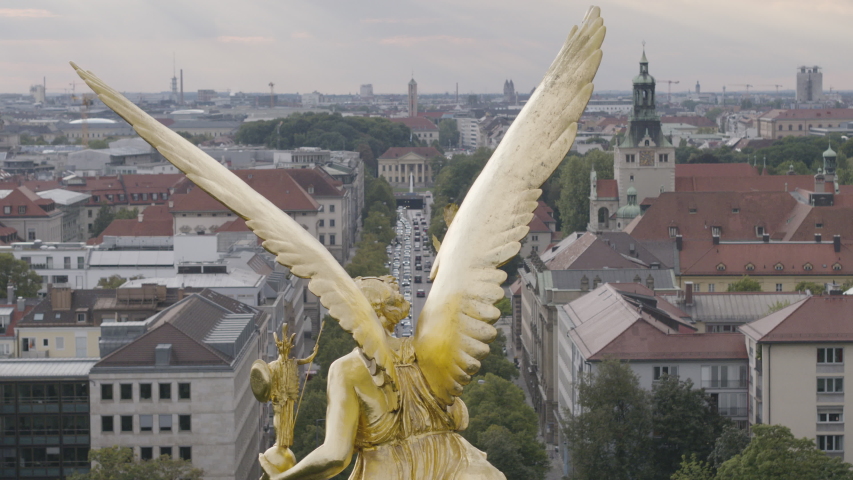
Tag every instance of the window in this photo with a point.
(332, 222)
(673, 231)
(127, 423)
(146, 423)
(22, 210)
(779, 266)
(759, 231)
(7, 210)
(45, 343)
(830, 417)
(663, 157)
(165, 391)
(186, 453)
(166, 451)
(332, 239)
(81, 317)
(666, 370)
(778, 287)
(780, 127)
(166, 423)
(321, 223)
(126, 391)
(790, 127)
(67, 263)
(721, 267)
(691, 210)
(80, 263)
(106, 391)
(807, 266)
(830, 355)
(146, 453)
(31, 235)
(534, 238)
(830, 385)
(145, 391)
(630, 158)
(184, 391)
(107, 424)
(735, 210)
(716, 231)
(710, 287)
(332, 208)
(184, 423)
(134, 196)
(322, 239)
(818, 225)
(750, 267)
(836, 266)
(830, 443)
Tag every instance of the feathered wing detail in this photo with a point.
(454, 328)
(293, 246)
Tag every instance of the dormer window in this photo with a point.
(779, 267)
(7, 210)
(807, 267)
(716, 231)
(692, 210)
(818, 225)
(749, 267)
(759, 231)
(22, 210)
(673, 231)
(584, 283)
(646, 143)
(735, 210)
(836, 266)
(721, 267)
(311, 189)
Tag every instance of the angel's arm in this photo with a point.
(342, 415)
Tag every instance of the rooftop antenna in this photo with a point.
(272, 95)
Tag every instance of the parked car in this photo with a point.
(421, 293)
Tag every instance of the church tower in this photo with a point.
(413, 98)
(645, 160)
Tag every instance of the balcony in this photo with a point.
(732, 411)
(758, 393)
(758, 365)
(735, 383)
(35, 354)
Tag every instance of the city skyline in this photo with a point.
(305, 46)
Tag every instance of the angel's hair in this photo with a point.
(377, 289)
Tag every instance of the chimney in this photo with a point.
(22, 304)
(836, 242)
(163, 354)
(716, 239)
(679, 242)
(60, 298)
(10, 293)
(766, 238)
(688, 293)
(816, 238)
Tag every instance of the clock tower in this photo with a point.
(645, 160)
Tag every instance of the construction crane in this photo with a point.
(272, 95)
(748, 86)
(669, 89)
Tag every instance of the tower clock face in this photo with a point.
(647, 158)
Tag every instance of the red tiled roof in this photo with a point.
(589, 252)
(759, 183)
(22, 197)
(815, 319)
(537, 225)
(642, 341)
(16, 317)
(324, 185)
(544, 212)
(769, 210)
(276, 185)
(704, 258)
(810, 114)
(42, 185)
(715, 170)
(435, 115)
(607, 188)
(397, 152)
(418, 124)
(238, 225)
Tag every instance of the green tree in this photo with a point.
(815, 288)
(574, 173)
(118, 463)
(18, 273)
(448, 133)
(731, 442)
(378, 190)
(60, 140)
(496, 408)
(775, 454)
(106, 215)
(608, 436)
(690, 105)
(98, 144)
(713, 113)
(196, 139)
(496, 362)
(745, 284)
(685, 422)
(505, 306)
(113, 281)
(369, 158)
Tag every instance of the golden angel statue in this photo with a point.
(395, 402)
(278, 382)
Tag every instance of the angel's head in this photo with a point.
(384, 295)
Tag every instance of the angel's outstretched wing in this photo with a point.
(293, 246)
(455, 325)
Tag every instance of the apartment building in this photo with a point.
(797, 369)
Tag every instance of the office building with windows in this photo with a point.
(797, 366)
(182, 388)
(44, 418)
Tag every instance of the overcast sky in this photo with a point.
(334, 46)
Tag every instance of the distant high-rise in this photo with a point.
(809, 84)
(697, 87)
(509, 92)
(366, 90)
(37, 91)
(413, 98)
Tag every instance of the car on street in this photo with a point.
(421, 293)
(418, 278)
